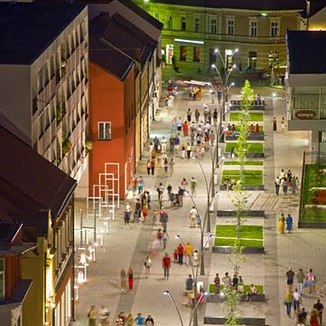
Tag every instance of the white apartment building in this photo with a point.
(44, 81)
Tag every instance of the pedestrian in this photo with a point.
(300, 279)
(196, 258)
(166, 264)
(131, 279)
(217, 283)
(165, 238)
(180, 194)
(302, 317)
(137, 213)
(289, 223)
(318, 306)
(139, 320)
(310, 281)
(184, 184)
(92, 315)
(152, 165)
(123, 281)
(189, 283)
(192, 215)
(277, 185)
(164, 218)
(140, 182)
(130, 320)
(197, 115)
(188, 114)
(163, 144)
(215, 115)
(189, 251)
(104, 314)
(149, 321)
(274, 124)
(180, 249)
(227, 280)
(185, 128)
(281, 224)
(240, 285)
(154, 217)
(314, 318)
(126, 216)
(189, 149)
(148, 265)
(294, 185)
(193, 186)
(296, 300)
(288, 299)
(177, 143)
(165, 165)
(148, 166)
(171, 167)
(284, 186)
(175, 256)
(283, 124)
(289, 277)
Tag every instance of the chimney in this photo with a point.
(308, 8)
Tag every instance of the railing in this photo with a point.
(301, 205)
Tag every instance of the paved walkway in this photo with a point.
(128, 247)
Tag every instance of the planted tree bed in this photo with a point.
(254, 136)
(253, 179)
(255, 150)
(251, 238)
(313, 212)
(253, 116)
(258, 163)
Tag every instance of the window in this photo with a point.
(183, 53)
(196, 54)
(230, 27)
(183, 23)
(213, 25)
(169, 22)
(104, 130)
(274, 29)
(253, 28)
(252, 60)
(2, 279)
(197, 24)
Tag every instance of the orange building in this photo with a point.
(112, 117)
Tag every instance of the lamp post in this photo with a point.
(168, 293)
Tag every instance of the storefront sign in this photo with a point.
(305, 114)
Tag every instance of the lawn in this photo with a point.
(253, 116)
(253, 148)
(250, 235)
(257, 163)
(313, 178)
(251, 177)
(246, 288)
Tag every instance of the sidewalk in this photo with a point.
(123, 248)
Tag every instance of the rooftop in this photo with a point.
(29, 183)
(28, 29)
(310, 58)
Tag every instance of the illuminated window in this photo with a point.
(104, 130)
(183, 53)
(196, 54)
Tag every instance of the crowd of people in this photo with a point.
(287, 182)
(293, 297)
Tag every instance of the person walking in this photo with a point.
(314, 318)
(277, 185)
(166, 264)
(217, 283)
(131, 279)
(171, 167)
(149, 321)
(300, 279)
(129, 320)
(189, 149)
(148, 167)
(126, 216)
(92, 315)
(197, 115)
(193, 186)
(180, 249)
(188, 114)
(165, 238)
(289, 223)
(227, 280)
(104, 314)
(139, 320)
(274, 124)
(164, 218)
(281, 224)
(185, 128)
(148, 265)
(318, 306)
(192, 215)
(296, 301)
(289, 277)
(189, 251)
(288, 300)
(310, 281)
(123, 281)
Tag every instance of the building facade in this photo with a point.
(49, 105)
(194, 30)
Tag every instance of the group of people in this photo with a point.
(287, 182)
(282, 122)
(293, 297)
(285, 223)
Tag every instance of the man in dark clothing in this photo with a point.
(189, 283)
(164, 218)
(149, 321)
(319, 307)
(290, 277)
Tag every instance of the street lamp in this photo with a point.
(168, 293)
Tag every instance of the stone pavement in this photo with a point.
(128, 247)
